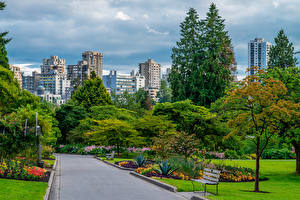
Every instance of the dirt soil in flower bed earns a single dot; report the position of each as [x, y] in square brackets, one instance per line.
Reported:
[45, 178]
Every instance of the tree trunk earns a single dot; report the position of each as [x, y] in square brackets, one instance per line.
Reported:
[256, 188]
[297, 151]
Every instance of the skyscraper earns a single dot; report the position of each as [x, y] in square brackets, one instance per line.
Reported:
[258, 51]
[94, 62]
[54, 78]
[151, 71]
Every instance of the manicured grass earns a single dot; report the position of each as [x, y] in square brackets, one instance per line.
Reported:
[50, 162]
[282, 184]
[22, 190]
[115, 159]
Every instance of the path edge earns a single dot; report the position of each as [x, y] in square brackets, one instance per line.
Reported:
[50, 182]
[155, 182]
[117, 166]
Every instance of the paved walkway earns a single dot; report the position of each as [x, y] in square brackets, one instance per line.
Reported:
[86, 178]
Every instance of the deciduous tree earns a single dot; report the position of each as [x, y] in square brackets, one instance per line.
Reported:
[259, 100]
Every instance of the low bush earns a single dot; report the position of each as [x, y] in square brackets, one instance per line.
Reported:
[278, 154]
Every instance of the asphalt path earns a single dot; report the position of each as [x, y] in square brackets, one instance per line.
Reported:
[86, 178]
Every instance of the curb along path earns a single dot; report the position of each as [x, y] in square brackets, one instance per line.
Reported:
[85, 178]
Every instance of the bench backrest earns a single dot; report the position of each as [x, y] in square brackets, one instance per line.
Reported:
[211, 175]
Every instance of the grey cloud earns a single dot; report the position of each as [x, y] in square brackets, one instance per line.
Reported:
[66, 28]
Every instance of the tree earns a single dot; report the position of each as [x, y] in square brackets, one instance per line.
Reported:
[184, 144]
[92, 93]
[127, 101]
[202, 60]
[112, 112]
[165, 93]
[214, 73]
[282, 53]
[3, 42]
[186, 57]
[114, 132]
[258, 100]
[189, 118]
[149, 126]
[68, 117]
[290, 76]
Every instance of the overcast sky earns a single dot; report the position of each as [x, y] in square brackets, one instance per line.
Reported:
[128, 32]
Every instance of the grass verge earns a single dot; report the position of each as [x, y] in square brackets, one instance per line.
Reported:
[283, 183]
[22, 190]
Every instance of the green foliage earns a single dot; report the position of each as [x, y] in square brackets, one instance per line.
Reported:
[111, 112]
[165, 93]
[165, 168]
[189, 168]
[114, 132]
[278, 154]
[202, 60]
[68, 117]
[92, 93]
[184, 144]
[231, 154]
[188, 117]
[140, 160]
[281, 54]
[150, 126]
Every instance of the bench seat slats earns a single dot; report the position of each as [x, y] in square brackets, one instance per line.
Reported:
[212, 175]
[210, 178]
[212, 171]
[205, 181]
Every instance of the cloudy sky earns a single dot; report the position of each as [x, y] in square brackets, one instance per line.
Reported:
[131, 31]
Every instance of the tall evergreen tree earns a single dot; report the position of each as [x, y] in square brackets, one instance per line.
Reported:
[3, 42]
[215, 70]
[282, 53]
[202, 60]
[186, 56]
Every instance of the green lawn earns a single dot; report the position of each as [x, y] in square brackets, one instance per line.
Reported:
[22, 190]
[50, 162]
[283, 184]
[115, 159]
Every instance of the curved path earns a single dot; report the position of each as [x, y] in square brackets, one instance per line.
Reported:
[86, 178]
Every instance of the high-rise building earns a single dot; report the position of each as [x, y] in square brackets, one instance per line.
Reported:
[151, 71]
[94, 62]
[53, 63]
[17, 73]
[119, 83]
[54, 79]
[91, 61]
[258, 53]
[31, 82]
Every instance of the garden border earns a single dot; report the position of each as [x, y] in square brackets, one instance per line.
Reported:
[155, 182]
[50, 182]
[114, 165]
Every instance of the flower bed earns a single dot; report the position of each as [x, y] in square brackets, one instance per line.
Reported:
[127, 164]
[16, 169]
[236, 174]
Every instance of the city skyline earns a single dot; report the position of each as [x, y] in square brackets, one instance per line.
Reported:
[123, 30]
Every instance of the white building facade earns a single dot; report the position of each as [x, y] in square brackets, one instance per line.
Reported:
[258, 53]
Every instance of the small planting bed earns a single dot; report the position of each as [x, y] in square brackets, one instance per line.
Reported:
[22, 169]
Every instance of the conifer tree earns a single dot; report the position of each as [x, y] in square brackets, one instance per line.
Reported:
[202, 60]
[186, 56]
[215, 69]
[3, 42]
[282, 53]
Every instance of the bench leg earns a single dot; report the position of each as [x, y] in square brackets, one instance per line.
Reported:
[217, 188]
[204, 189]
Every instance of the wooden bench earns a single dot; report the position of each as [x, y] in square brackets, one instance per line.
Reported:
[110, 155]
[210, 177]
